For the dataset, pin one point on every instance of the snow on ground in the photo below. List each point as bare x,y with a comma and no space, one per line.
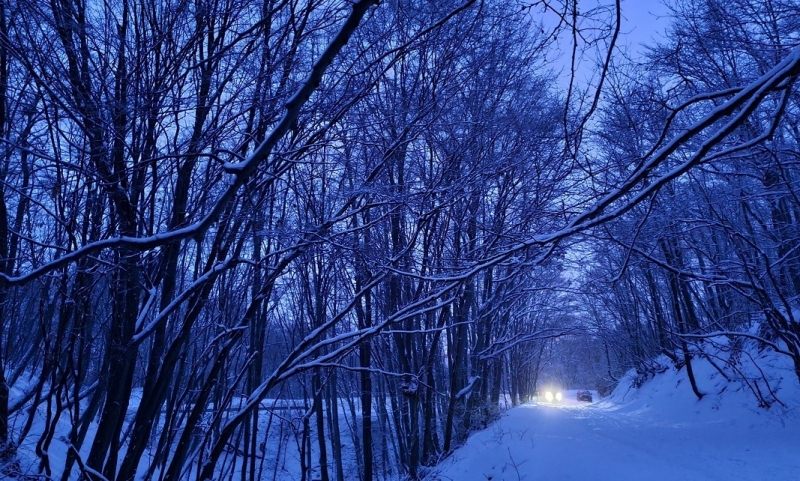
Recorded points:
281,450
659,432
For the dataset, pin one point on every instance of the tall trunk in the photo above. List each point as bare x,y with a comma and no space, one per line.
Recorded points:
305,450
364,351
364,316
5,260
430,441
660,317
497,378
385,431
513,376
71,25
158,376
457,345
400,438
430,446
316,383
332,403
678,312
120,361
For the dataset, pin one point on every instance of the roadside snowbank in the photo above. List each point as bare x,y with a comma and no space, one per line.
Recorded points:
760,384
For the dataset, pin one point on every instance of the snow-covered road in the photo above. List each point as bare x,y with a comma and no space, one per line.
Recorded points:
605,441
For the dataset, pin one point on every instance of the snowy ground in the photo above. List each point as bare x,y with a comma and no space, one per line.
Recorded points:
658,433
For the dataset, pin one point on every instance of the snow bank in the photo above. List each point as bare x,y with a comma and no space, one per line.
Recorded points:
758,383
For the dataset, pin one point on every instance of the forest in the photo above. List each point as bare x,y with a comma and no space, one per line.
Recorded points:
328,239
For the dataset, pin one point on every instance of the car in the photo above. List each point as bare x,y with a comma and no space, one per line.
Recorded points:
584,395
553,395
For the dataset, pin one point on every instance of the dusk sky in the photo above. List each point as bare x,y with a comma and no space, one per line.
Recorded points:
644,21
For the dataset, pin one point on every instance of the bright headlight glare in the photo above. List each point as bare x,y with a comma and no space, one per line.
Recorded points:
549,396
558,396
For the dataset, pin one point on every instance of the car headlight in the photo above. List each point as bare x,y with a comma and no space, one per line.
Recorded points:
558,396
548,396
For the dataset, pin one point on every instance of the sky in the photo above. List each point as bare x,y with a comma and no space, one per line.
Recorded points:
644,21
